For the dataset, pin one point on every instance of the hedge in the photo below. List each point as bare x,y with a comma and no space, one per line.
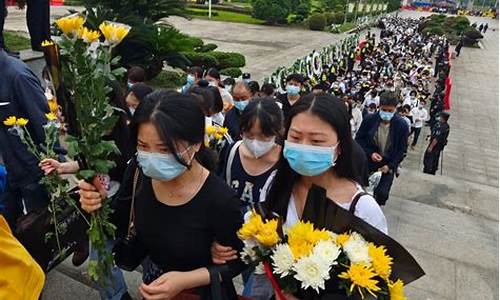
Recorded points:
231,72
330,18
207,47
202,59
317,22
228,59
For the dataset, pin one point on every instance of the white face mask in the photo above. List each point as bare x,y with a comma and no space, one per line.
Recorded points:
258,148
132,110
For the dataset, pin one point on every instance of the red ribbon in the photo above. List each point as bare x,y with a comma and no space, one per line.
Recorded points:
274,282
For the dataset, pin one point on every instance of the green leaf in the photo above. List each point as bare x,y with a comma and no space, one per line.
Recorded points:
86,174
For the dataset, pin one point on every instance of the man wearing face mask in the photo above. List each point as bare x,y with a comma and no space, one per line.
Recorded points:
242,95
294,83
383,137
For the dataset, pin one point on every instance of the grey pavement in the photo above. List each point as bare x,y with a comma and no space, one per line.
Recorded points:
449,222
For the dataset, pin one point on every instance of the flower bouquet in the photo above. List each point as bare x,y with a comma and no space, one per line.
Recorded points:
64,213
216,137
314,263
86,60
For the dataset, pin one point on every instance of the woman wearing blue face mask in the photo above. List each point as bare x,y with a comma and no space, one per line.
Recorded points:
179,207
318,150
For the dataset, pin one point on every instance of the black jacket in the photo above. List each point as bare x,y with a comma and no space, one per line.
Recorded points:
398,135
21,95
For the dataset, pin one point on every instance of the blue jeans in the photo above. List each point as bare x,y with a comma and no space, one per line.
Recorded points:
116,286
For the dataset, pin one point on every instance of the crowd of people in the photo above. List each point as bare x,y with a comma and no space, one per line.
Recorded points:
188,200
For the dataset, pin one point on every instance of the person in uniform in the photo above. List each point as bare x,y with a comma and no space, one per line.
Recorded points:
438,140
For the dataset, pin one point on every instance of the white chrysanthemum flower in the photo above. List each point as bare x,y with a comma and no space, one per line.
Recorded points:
248,254
282,260
312,272
356,249
327,251
333,235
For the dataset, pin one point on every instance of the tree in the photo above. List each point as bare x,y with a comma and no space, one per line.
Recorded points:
272,11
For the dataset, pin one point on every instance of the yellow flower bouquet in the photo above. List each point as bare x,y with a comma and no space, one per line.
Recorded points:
307,260
87,68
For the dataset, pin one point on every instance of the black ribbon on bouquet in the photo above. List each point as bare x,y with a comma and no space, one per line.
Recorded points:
325,213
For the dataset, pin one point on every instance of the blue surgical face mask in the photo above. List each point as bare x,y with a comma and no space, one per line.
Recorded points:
292,90
240,105
308,160
129,85
386,116
160,166
190,79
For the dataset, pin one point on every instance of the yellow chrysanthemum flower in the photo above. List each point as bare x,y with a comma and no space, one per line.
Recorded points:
21,122
381,262
300,232
210,130
251,228
114,32
223,130
71,24
90,36
396,290
47,43
318,235
10,121
361,277
218,136
300,249
268,234
52,105
342,239
51,116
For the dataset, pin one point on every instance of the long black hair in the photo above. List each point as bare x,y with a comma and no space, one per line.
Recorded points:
333,111
176,117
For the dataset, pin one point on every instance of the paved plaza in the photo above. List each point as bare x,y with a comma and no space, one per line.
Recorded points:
449,222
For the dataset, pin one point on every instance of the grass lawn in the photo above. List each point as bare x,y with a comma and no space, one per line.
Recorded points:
227,16
16,42
347,26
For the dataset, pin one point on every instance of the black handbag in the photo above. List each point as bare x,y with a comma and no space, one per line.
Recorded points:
129,252
31,231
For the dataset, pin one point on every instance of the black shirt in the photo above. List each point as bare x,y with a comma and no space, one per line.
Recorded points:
232,123
440,132
283,98
178,238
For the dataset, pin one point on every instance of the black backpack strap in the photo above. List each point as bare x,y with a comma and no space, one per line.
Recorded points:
355,200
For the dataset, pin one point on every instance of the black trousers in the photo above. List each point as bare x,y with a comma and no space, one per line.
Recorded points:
383,189
416,132
3,13
431,161
33,195
38,19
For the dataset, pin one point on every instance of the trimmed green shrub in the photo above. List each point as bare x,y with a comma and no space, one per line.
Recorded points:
236,9
228,59
208,47
168,80
231,72
317,22
272,11
330,18
338,18
202,59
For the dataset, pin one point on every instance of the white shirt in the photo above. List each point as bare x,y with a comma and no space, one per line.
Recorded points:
419,116
367,208
357,118
369,100
413,102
